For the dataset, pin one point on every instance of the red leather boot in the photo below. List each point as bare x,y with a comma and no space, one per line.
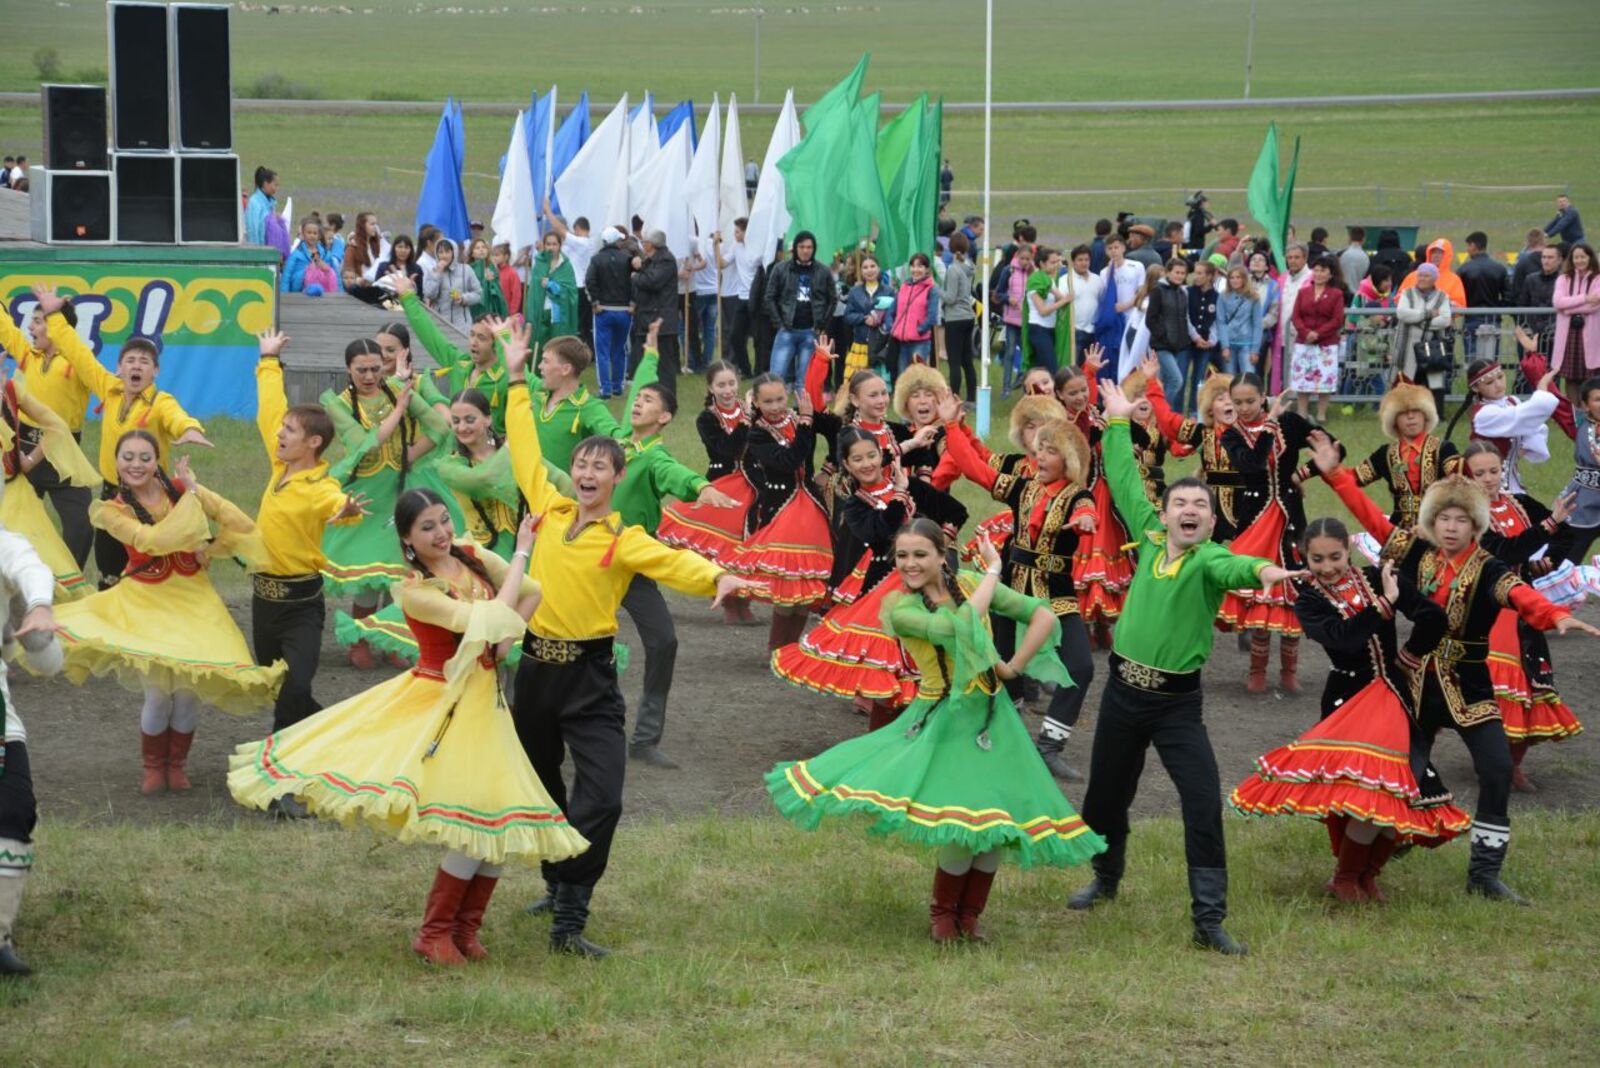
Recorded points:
974,897
1260,652
1289,663
1378,855
470,917
177,760
433,943
1347,876
942,910
153,750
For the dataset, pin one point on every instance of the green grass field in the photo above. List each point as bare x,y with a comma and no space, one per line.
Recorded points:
743,941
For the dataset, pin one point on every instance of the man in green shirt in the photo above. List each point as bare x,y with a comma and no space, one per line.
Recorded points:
651,474
481,368
1153,695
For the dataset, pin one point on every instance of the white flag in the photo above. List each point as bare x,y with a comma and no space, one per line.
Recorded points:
732,202
701,191
516,215
657,193
644,140
769,215
585,187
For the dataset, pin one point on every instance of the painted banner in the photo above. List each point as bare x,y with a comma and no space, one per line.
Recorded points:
204,317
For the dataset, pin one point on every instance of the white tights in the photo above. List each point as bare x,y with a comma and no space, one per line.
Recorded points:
162,711
1363,833
953,860
462,866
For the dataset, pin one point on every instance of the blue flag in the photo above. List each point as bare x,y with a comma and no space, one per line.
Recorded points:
536,127
683,113
570,136
443,199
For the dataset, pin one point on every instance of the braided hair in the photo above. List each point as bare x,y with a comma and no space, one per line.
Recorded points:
848,438
1474,369
407,510
362,346
13,420
127,496
476,399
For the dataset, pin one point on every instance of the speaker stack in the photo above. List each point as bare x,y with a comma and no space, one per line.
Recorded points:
170,175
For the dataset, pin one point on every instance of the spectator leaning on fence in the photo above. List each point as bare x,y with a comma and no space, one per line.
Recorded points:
1567,226
1319,330
1577,303
1527,260
1535,332
1484,280
1422,310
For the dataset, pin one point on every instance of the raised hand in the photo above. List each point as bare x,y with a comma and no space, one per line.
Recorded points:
401,281
803,403
49,300
1391,582
1280,404
897,473
654,332
272,342
182,472
1094,359
949,407
515,348
1151,367
193,437
1324,451
1117,406
988,553
355,505
525,531
1562,510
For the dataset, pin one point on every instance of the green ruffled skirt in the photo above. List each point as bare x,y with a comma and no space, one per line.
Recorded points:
929,778
366,556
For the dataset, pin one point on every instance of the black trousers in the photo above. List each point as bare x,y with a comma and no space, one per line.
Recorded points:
1067,704
19,812
70,502
1486,744
736,335
110,555
648,610
958,346
1131,721
290,631
585,317
666,345
1578,541
576,707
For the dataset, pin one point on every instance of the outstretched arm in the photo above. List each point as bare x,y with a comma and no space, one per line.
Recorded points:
522,434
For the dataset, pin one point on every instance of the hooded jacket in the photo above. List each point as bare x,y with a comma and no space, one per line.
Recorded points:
1449,281
1389,254
437,286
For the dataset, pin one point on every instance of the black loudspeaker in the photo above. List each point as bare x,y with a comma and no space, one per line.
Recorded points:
71,206
147,197
204,77
141,116
208,199
74,127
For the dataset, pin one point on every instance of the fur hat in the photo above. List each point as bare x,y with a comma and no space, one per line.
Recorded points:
1135,386
1073,445
1034,410
915,377
1454,491
1210,386
1406,397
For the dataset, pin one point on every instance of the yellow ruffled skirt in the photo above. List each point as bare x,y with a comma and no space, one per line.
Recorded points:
22,512
174,635
411,761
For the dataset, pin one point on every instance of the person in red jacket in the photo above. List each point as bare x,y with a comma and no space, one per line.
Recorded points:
1318,331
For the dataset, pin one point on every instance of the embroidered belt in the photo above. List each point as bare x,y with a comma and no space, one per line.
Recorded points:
1217,479
1460,652
1049,563
32,436
1587,477
287,588
1154,680
564,650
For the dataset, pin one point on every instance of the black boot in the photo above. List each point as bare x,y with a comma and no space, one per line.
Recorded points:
544,905
1051,741
1208,887
571,915
1103,887
1483,868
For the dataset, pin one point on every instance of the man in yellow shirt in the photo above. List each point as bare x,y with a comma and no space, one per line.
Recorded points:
129,400
287,610
49,379
566,695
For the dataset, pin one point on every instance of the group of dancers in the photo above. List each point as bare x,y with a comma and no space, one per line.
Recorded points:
488,533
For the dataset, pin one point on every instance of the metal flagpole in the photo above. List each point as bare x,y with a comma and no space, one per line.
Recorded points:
985,255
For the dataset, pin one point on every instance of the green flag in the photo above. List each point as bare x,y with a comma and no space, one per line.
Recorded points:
925,213
1268,202
831,184
899,155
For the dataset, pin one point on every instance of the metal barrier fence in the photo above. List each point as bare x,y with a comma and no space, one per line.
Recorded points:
1366,366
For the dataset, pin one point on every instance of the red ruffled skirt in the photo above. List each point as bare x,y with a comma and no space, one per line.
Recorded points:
850,588
998,527
1101,569
1356,764
1269,610
791,556
849,654
1529,713
708,529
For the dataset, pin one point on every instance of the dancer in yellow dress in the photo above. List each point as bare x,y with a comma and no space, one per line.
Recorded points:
32,434
431,755
162,629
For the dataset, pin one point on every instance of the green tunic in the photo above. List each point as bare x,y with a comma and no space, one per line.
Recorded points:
494,301
456,368
1168,616
958,767
652,472
552,301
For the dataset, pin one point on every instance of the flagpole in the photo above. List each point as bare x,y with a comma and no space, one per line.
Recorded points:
984,256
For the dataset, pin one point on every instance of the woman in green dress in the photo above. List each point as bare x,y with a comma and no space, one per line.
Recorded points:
552,301
488,275
390,436
958,769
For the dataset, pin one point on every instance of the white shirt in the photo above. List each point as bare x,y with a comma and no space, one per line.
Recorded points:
1127,279
1289,286
705,279
25,583
1044,320
1087,290
1525,423
579,249
746,261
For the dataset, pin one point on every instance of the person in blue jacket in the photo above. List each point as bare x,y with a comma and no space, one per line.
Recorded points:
310,256
263,202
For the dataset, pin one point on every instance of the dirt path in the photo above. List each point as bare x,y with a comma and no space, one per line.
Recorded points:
729,721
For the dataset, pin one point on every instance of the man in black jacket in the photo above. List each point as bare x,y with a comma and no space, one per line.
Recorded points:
609,283
798,300
1389,254
1485,283
655,296
1167,316
1536,333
